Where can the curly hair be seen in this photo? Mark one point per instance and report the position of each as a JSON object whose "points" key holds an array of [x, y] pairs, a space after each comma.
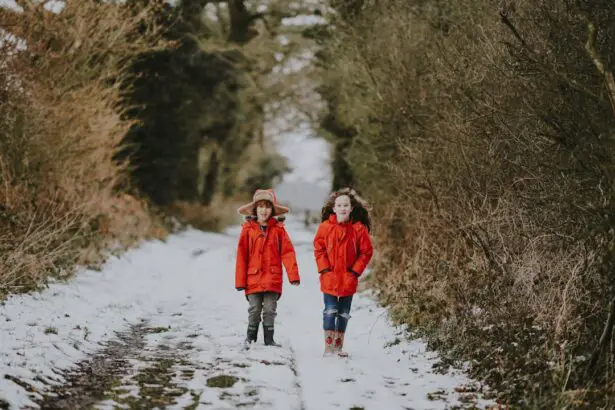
{"points": [[360, 208]]}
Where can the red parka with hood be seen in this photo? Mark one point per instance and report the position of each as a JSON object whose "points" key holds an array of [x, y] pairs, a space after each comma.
{"points": [[260, 256], [342, 252]]}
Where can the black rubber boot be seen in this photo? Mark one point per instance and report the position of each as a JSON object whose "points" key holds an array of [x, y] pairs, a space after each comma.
{"points": [[252, 334], [268, 333]]}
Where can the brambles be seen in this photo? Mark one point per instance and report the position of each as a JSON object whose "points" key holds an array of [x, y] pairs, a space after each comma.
{"points": [[484, 138]]}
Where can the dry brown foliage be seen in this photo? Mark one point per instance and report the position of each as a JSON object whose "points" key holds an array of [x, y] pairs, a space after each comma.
{"points": [[61, 129], [484, 139]]}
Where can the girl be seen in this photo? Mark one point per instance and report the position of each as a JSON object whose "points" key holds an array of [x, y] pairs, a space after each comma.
{"points": [[263, 247], [342, 248]]}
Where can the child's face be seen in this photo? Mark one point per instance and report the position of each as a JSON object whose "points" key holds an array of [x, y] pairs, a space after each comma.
{"points": [[342, 208], [263, 211]]}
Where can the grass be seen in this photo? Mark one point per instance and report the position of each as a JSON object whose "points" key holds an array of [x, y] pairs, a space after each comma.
{"points": [[159, 329], [492, 242], [222, 381], [60, 130], [51, 330]]}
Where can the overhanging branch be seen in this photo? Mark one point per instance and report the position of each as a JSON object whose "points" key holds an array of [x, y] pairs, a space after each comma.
{"points": [[590, 46]]}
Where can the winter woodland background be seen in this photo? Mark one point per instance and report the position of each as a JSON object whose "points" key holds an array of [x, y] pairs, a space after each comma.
{"points": [[481, 132]]}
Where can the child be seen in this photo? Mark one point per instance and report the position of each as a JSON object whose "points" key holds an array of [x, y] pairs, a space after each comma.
{"points": [[342, 248], [263, 247]]}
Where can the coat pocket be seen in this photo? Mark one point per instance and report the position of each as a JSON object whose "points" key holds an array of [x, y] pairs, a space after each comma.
{"points": [[276, 274], [254, 277], [350, 282]]}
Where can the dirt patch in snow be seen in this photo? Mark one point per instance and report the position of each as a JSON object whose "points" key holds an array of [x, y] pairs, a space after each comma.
{"points": [[107, 376]]}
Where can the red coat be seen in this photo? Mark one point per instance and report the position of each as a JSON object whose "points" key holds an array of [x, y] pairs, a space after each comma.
{"points": [[260, 256], [342, 248]]}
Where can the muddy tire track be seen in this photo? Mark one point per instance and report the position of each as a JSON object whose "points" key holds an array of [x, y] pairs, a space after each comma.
{"points": [[298, 386], [109, 376], [87, 383], [132, 372], [148, 366]]}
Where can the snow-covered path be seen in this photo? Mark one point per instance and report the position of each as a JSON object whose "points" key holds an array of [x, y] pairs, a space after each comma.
{"points": [[182, 293]]}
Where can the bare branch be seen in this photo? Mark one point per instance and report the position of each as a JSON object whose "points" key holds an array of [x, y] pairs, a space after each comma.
{"points": [[590, 46], [511, 26]]}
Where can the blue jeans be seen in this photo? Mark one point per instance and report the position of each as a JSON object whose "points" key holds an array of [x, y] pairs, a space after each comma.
{"points": [[337, 312]]}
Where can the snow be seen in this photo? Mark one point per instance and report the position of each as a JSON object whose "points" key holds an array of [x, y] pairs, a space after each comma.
{"points": [[295, 63], [306, 187], [284, 41], [186, 284], [304, 20], [10, 4], [310, 156], [15, 43], [55, 6], [211, 10]]}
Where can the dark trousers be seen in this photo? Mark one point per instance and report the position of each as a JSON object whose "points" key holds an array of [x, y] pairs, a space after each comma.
{"points": [[265, 304]]}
